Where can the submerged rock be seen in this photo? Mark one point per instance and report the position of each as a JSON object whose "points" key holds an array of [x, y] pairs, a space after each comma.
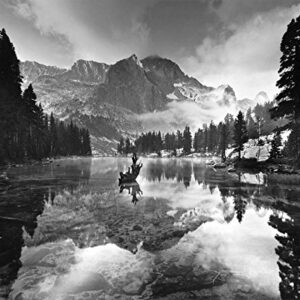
{"points": [[134, 288]]}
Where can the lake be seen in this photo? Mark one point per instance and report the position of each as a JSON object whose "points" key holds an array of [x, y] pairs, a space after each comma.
{"points": [[183, 231]]}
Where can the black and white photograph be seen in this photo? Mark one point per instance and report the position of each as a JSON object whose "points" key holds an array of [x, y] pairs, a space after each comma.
{"points": [[149, 149]]}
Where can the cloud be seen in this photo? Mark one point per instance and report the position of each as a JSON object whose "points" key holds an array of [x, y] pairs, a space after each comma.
{"points": [[232, 42], [99, 30], [248, 59], [180, 114], [231, 11]]}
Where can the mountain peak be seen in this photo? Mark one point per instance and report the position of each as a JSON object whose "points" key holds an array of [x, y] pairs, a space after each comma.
{"points": [[87, 70], [261, 98], [227, 89], [134, 58], [83, 62], [31, 70]]}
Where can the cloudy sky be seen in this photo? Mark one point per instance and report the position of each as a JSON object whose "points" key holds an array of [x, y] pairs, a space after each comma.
{"points": [[232, 42]]}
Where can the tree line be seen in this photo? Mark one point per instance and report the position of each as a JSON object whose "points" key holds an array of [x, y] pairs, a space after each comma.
{"points": [[26, 132], [211, 138]]}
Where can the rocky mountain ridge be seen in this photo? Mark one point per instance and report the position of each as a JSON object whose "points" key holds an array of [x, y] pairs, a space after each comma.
{"points": [[112, 98]]}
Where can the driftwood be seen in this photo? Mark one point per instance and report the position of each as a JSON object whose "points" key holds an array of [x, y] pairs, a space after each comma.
{"points": [[133, 189], [11, 219], [132, 172]]}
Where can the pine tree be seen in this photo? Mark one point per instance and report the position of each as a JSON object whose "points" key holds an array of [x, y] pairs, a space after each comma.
{"points": [[179, 140], [195, 142], [87, 150], [240, 133], [11, 120], [212, 137], [288, 100], [46, 145], [53, 137], [200, 140], [32, 115], [157, 142], [121, 145], [276, 143], [223, 140], [290, 147], [251, 125], [229, 122], [187, 140], [127, 146], [205, 144]]}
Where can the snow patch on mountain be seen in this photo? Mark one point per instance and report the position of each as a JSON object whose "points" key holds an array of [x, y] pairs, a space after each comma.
{"points": [[172, 96], [136, 60]]}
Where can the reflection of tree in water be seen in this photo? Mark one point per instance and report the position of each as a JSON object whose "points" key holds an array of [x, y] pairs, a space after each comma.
{"points": [[78, 172], [24, 201], [199, 173], [21, 211], [288, 251], [182, 171], [239, 205], [179, 170], [287, 221], [212, 187], [186, 173], [133, 189]]}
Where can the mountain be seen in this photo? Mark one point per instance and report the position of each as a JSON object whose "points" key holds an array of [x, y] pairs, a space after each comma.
{"points": [[86, 71], [261, 98], [69, 94], [32, 70], [128, 86], [176, 85], [223, 95], [167, 75], [125, 98], [245, 103]]}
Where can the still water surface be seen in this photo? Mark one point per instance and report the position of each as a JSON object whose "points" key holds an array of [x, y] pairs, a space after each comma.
{"points": [[183, 231]]}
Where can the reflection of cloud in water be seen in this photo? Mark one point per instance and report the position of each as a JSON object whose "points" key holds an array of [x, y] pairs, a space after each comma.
{"points": [[110, 167], [177, 196], [54, 270], [245, 250]]}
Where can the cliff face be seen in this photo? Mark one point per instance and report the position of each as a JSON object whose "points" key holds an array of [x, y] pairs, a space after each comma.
{"points": [[32, 70], [86, 71], [166, 74], [127, 86]]}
